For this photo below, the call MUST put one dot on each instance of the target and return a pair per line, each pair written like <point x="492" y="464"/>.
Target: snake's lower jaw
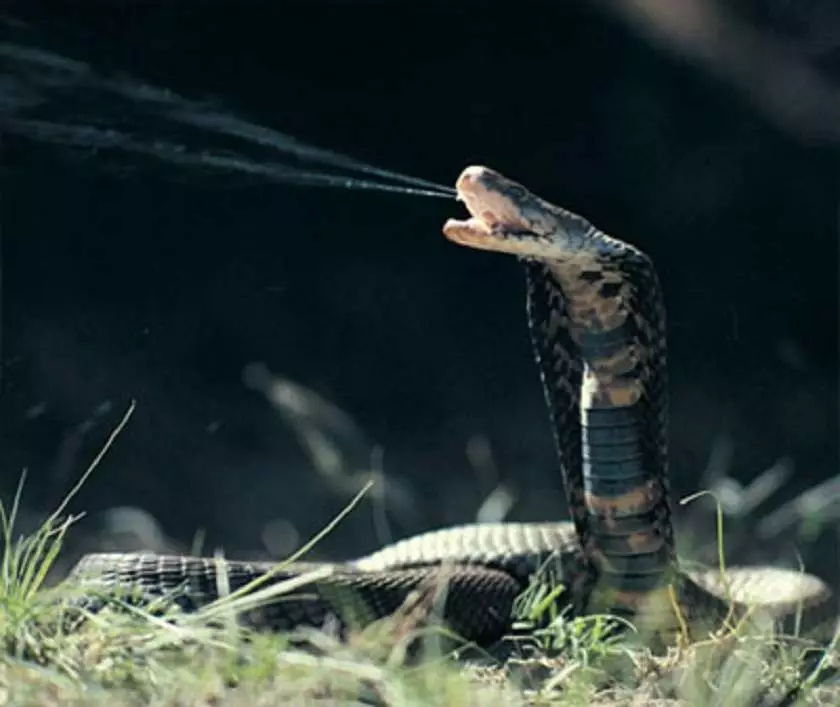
<point x="475" y="233"/>
<point x="469" y="232"/>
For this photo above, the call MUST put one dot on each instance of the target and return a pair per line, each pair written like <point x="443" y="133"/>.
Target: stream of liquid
<point x="93" y="108"/>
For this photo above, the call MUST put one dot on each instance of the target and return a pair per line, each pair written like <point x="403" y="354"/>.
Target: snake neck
<point x="601" y="362"/>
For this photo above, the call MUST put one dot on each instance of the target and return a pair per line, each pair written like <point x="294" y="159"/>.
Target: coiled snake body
<point x="597" y="326"/>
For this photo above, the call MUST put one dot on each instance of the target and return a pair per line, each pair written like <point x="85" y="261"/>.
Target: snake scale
<point x="597" y="324"/>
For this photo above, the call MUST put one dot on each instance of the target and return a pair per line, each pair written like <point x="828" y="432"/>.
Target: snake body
<point x="597" y="324"/>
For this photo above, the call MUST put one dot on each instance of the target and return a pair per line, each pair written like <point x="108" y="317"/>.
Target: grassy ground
<point x="124" y="655"/>
<point x="130" y="657"/>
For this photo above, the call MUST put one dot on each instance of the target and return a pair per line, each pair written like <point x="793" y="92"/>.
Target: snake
<point x="596" y="318"/>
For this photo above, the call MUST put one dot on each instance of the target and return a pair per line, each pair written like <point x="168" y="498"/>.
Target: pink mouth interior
<point x="488" y="213"/>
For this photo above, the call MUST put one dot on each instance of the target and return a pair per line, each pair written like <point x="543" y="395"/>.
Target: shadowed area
<point x="284" y="343"/>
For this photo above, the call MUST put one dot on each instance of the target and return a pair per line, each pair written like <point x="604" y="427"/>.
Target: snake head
<point x="506" y="217"/>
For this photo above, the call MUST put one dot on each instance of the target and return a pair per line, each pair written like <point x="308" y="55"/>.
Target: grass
<point x="126" y="655"/>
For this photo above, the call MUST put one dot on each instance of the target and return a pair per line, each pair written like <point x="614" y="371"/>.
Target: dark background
<point x="162" y="287"/>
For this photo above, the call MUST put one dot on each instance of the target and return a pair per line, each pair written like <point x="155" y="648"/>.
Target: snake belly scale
<point x="597" y="325"/>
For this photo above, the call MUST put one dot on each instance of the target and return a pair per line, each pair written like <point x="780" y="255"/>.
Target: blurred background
<point x="285" y="344"/>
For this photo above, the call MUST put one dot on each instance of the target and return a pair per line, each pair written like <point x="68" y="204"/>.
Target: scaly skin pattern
<point x="595" y="309"/>
<point x="597" y="325"/>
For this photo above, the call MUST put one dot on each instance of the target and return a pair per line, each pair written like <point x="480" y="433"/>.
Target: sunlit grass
<point x="57" y="652"/>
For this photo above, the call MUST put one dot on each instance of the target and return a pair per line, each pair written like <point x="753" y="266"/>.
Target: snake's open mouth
<point x="494" y="213"/>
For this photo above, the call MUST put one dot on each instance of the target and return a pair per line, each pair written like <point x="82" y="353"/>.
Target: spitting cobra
<point x="597" y="325"/>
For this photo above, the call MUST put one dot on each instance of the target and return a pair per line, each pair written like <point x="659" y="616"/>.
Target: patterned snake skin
<point x="597" y="325"/>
